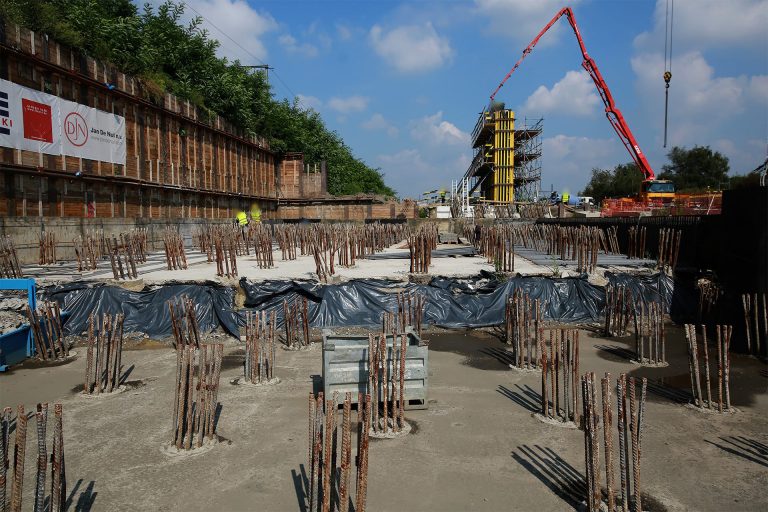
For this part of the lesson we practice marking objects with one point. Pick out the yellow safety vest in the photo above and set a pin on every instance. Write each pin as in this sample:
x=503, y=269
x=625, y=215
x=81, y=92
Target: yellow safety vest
x=566, y=197
x=242, y=219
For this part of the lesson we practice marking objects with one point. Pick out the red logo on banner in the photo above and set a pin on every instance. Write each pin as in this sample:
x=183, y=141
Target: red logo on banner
x=76, y=129
x=38, y=123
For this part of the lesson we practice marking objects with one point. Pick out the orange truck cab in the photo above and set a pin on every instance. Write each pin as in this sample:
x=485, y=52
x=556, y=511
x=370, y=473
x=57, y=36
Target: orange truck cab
x=657, y=191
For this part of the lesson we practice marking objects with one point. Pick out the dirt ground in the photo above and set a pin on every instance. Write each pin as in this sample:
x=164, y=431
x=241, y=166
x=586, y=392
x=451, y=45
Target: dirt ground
x=477, y=446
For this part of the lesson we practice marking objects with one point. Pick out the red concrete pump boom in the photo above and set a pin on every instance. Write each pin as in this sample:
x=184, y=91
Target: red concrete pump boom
x=611, y=111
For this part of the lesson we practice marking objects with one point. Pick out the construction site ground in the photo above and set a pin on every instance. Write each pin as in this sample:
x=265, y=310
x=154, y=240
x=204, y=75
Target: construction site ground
x=155, y=270
x=477, y=447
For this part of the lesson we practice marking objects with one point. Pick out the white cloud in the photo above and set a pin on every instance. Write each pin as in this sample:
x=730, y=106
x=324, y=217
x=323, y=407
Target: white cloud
x=434, y=130
x=523, y=19
x=699, y=100
x=349, y=104
x=412, y=171
x=343, y=32
x=291, y=45
x=758, y=88
x=312, y=102
x=724, y=112
x=701, y=24
x=573, y=94
x=237, y=20
x=378, y=122
x=411, y=48
x=567, y=161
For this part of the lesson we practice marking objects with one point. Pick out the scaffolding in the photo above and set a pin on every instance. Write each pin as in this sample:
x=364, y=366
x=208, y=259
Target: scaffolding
x=506, y=166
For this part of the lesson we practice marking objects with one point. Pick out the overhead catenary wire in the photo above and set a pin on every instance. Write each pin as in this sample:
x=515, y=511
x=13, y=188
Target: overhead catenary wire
x=279, y=78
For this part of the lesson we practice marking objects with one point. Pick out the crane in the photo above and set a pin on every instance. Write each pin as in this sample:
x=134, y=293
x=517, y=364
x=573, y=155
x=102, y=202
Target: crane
x=651, y=189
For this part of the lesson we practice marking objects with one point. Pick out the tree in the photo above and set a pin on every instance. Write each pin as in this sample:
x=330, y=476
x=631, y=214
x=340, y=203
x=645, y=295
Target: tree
x=696, y=169
x=621, y=181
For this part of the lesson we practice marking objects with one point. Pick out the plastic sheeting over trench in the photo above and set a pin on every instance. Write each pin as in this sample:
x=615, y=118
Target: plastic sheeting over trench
x=454, y=303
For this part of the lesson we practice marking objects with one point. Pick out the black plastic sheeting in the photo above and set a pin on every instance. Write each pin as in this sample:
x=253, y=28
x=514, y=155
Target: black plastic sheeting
x=455, y=303
x=476, y=302
x=147, y=310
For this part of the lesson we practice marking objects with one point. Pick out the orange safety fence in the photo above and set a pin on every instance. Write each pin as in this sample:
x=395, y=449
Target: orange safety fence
x=683, y=204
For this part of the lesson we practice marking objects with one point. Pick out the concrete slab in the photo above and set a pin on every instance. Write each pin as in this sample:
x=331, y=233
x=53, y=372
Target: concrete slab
x=154, y=271
x=476, y=448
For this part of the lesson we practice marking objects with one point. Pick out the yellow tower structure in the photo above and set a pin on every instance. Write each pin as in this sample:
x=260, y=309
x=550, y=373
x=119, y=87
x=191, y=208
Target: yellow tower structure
x=504, y=164
x=503, y=179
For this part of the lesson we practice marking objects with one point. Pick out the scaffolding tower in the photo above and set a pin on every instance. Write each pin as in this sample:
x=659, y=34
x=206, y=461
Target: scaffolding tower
x=506, y=166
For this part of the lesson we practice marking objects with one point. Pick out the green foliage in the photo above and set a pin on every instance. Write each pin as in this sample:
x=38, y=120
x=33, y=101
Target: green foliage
x=166, y=55
x=621, y=181
x=696, y=169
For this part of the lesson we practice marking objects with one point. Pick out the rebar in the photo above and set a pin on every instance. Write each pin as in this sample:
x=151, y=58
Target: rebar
x=259, y=346
x=41, y=420
x=195, y=405
x=47, y=248
x=104, y=354
x=47, y=331
x=722, y=344
x=175, y=256
x=19, y=453
x=559, y=392
x=9, y=260
x=650, y=335
x=523, y=317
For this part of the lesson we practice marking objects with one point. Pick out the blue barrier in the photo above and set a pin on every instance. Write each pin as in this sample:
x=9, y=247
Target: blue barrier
x=15, y=346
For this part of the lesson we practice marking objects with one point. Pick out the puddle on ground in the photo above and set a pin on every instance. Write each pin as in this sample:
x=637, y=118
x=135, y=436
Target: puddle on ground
x=232, y=361
x=481, y=352
x=33, y=363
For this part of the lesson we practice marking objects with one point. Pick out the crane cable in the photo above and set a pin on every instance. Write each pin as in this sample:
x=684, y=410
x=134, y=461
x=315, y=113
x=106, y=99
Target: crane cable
x=668, y=61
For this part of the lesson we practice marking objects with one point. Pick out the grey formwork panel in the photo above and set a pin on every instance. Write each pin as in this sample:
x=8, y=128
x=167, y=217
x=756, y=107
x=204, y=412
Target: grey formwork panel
x=345, y=366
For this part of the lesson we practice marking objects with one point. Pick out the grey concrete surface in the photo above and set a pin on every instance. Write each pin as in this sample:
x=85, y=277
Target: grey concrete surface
x=476, y=448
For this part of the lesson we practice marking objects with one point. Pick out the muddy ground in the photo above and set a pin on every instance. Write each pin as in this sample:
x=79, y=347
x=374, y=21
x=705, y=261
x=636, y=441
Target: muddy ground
x=477, y=447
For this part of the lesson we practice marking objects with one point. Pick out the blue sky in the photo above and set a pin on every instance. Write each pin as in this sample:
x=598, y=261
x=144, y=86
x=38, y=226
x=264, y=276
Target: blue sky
x=403, y=82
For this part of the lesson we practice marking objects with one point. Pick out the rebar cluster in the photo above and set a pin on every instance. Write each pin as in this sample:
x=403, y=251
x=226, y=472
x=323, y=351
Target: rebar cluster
x=650, y=333
x=105, y=354
x=56, y=502
x=752, y=314
x=523, y=318
x=630, y=429
x=560, y=374
x=296, y=323
x=9, y=260
x=196, y=400
x=48, y=331
x=175, y=257
x=260, y=346
x=421, y=243
x=331, y=462
x=619, y=309
x=723, y=344
x=386, y=381
x=669, y=248
x=47, y=248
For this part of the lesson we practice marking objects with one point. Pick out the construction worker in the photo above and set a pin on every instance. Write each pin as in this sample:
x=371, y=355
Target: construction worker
x=255, y=213
x=442, y=196
x=566, y=197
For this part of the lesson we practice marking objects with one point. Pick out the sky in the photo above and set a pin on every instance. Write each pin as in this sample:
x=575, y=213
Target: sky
x=404, y=82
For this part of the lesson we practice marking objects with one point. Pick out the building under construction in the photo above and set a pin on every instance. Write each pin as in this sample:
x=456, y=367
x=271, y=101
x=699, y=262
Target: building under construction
x=506, y=166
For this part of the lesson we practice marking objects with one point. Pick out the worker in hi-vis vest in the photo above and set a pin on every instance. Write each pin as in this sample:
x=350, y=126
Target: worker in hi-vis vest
x=566, y=197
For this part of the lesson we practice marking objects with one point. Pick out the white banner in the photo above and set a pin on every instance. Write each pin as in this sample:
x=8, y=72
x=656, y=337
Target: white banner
x=91, y=133
x=35, y=121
